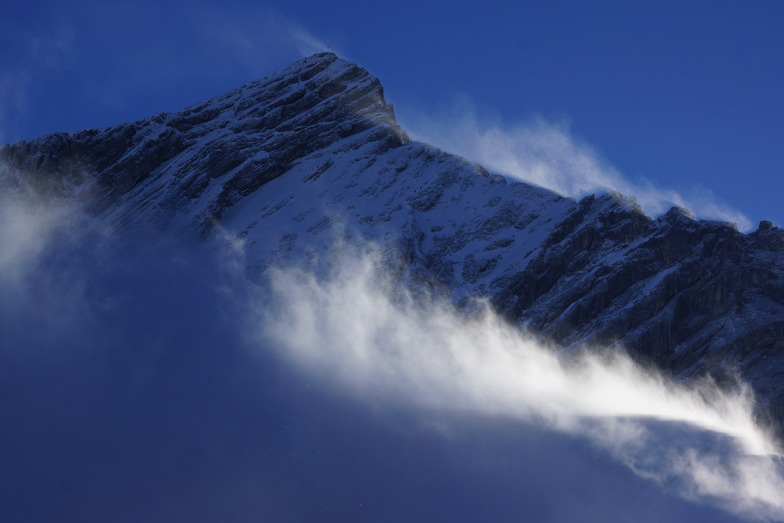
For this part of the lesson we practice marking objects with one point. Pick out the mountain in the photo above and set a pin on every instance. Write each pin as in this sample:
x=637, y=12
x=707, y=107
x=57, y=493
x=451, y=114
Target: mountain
x=286, y=171
x=290, y=161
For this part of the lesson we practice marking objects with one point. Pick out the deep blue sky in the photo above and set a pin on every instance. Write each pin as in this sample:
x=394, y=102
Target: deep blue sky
x=686, y=96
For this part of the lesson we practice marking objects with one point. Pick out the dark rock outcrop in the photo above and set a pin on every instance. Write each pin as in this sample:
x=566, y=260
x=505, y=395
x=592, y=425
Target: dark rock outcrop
x=244, y=139
x=693, y=297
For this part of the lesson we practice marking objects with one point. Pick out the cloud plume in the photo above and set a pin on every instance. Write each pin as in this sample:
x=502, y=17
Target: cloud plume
x=357, y=330
x=39, y=57
x=252, y=38
x=27, y=224
x=549, y=155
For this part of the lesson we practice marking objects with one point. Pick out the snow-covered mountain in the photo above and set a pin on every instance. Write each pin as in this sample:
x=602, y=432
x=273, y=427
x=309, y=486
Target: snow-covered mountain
x=313, y=153
x=134, y=356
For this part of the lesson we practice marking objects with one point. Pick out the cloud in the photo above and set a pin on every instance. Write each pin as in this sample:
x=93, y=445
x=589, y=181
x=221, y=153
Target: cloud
x=355, y=329
x=549, y=155
x=39, y=56
x=183, y=51
x=252, y=37
x=49, y=247
x=24, y=233
x=27, y=225
x=307, y=43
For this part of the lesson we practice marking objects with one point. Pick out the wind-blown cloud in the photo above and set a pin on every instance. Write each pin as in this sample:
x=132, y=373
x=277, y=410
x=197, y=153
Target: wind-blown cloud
x=39, y=56
x=547, y=154
x=26, y=227
x=189, y=51
x=48, y=247
x=252, y=37
x=360, y=332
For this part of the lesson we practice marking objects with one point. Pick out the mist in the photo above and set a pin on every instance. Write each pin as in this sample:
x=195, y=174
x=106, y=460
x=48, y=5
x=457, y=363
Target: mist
x=149, y=382
x=26, y=227
x=548, y=154
x=356, y=330
x=157, y=405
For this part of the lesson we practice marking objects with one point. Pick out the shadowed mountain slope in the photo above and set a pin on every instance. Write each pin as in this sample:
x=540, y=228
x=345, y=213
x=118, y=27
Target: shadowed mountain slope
x=312, y=154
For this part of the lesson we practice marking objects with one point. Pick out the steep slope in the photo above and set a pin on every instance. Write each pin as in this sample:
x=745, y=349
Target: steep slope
x=312, y=155
x=200, y=161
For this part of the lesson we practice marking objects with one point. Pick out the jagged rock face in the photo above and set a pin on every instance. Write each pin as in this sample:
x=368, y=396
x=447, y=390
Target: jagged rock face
x=287, y=161
x=167, y=164
x=688, y=295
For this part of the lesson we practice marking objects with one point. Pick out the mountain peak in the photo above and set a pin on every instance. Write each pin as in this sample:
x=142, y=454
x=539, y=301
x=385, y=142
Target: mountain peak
x=238, y=141
x=321, y=79
x=285, y=161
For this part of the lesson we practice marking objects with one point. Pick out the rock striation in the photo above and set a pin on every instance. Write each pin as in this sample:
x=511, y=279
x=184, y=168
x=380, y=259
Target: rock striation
x=289, y=161
x=166, y=164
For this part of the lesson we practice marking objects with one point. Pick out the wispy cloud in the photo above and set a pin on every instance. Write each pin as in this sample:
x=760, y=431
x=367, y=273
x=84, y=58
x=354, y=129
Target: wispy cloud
x=23, y=235
x=252, y=37
x=548, y=154
x=191, y=50
x=307, y=43
x=48, y=248
x=357, y=330
x=41, y=54
x=26, y=227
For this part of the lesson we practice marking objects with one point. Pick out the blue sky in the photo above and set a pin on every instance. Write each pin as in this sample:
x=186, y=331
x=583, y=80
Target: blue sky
x=665, y=96
x=123, y=403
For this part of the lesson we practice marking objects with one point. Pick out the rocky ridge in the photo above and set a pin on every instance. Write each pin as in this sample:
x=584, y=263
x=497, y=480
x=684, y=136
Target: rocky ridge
x=165, y=166
x=289, y=161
